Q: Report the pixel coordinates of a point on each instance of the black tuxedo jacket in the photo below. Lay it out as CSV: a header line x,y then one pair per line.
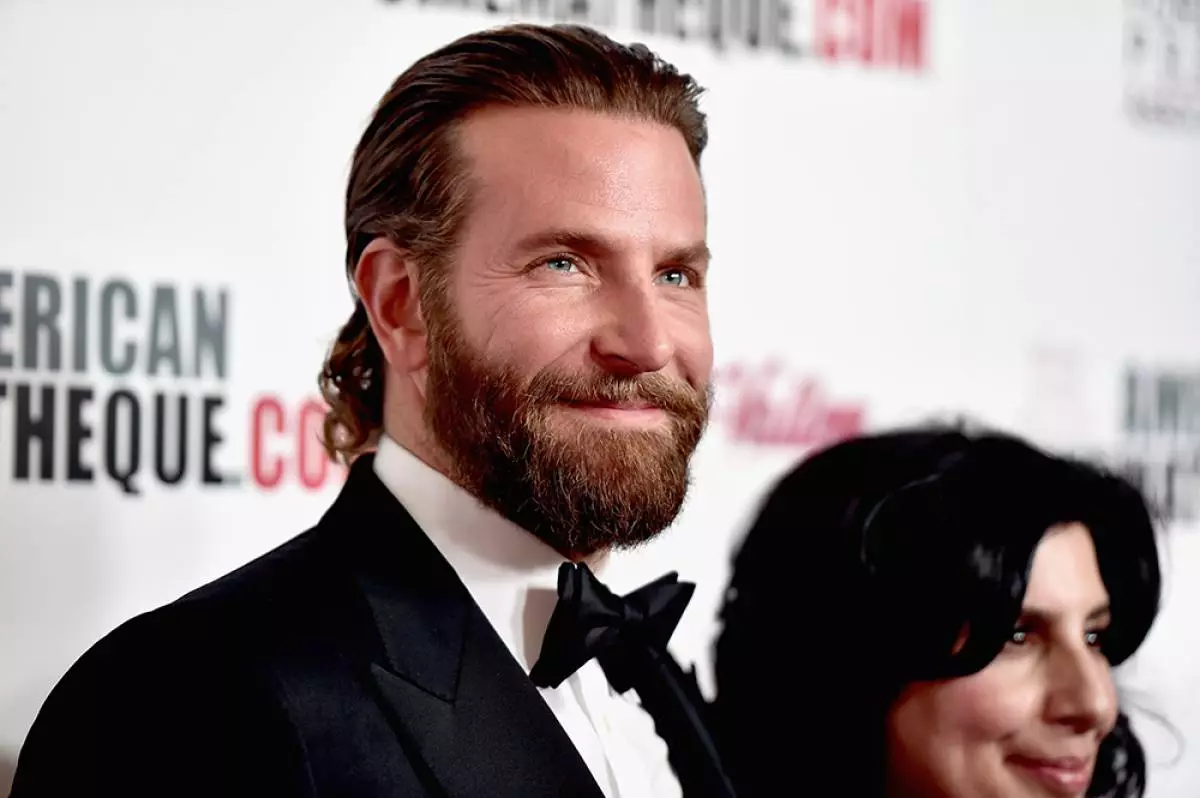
x,y
351,661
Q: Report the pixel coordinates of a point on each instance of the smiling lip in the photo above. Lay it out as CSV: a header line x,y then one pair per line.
x,y
1067,776
620,411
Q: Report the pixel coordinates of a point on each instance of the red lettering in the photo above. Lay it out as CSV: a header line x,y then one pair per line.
x,y
866,30
267,406
833,24
871,31
314,461
842,423
298,453
902,33
803,424
758,412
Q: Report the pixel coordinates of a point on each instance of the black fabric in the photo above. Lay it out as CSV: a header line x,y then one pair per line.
x,y
628,637
349,662
590,621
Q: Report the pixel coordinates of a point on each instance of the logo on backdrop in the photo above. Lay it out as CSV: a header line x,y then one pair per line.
x,y
1162,61
768,405
123,382
875,33
1160,439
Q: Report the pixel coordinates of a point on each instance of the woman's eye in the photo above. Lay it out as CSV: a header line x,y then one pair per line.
x,y
676,277
1018,637
1095,638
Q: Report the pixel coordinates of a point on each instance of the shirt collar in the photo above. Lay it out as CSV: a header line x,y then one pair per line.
x,y
511,574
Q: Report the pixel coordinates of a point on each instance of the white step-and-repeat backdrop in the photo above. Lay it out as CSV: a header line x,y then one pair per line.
x,y
919,208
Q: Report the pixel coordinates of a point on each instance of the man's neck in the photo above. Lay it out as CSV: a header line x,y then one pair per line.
x,y
419,441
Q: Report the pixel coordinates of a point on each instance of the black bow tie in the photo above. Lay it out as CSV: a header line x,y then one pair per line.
x,y
628,636
592,621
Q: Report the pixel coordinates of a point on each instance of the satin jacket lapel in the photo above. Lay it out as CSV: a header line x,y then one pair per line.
x,y
460,703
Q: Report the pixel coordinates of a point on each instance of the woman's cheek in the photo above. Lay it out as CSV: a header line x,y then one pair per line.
x,y
998,701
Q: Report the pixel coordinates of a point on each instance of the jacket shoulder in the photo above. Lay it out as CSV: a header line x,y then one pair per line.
x,y
179,700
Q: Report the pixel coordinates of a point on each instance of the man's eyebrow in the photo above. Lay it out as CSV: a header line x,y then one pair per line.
x,y
592,244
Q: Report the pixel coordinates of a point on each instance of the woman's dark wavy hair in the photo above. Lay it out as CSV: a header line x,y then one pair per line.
x,y
863,568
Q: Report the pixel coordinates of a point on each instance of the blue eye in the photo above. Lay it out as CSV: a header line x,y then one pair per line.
x,y
1019,637
560,264
675,277
1095,638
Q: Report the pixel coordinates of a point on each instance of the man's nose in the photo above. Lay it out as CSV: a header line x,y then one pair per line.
x,y
634,339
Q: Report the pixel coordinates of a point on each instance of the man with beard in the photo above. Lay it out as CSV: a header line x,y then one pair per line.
x,y
519,390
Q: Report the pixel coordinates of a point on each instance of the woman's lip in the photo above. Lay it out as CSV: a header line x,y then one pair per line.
x,y
1068,775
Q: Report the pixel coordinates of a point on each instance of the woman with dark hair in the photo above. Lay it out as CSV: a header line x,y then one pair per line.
x,y
935,614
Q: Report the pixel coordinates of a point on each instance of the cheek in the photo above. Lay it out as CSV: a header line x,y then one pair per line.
x,y
985,707
523,327
537,334
687,325
695,346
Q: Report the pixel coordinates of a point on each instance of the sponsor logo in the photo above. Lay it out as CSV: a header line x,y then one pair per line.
x,y
120,381
874,33
1162,61
1157,443
285,445
769,405
1160,439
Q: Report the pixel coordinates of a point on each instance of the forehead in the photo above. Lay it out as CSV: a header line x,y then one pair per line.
x,y
627,180
1065,572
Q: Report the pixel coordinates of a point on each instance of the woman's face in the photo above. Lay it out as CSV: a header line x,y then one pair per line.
x,y
1031,722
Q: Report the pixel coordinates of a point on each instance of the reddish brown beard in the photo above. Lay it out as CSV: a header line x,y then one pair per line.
x,y
580,487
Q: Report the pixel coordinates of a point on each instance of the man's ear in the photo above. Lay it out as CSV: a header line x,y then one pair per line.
x,y
386,280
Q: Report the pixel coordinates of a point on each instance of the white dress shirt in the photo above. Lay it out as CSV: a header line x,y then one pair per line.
x,y
513,577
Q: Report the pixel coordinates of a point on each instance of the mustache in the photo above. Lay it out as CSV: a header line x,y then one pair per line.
x,y
665,393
